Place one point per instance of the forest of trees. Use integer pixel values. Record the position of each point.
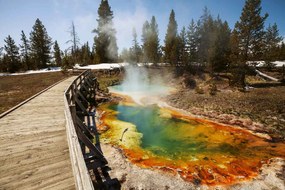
(211, 42)
(208, 41)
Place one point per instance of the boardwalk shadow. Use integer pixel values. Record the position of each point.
(100, 173)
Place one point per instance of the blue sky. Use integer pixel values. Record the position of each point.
(57, 15)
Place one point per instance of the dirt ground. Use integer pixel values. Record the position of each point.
(15, 89)
(260, 109)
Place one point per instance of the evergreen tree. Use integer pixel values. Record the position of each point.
(86, 54)
(40, 45)
(272, 41)
(234, 49)
(171, 41)
(66, 64)
(221, 48)
(281, 55)
(183, 55)
(206, 37)
(193, 41)
(249, 36)
(5, 63)
(250, 30)
(150, 41)
(146, 33)
(25, 52)
(2, 67)
(57, 54)
(236, 65)
(135, 50)
(154, 47)
(126, 56)
(106, 49)
(12, 55)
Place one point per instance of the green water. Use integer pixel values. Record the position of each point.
(173, 137)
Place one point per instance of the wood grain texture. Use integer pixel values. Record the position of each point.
(34, 150)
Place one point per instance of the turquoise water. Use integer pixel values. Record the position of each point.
(172, 137)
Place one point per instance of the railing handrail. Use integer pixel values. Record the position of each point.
(80, 171)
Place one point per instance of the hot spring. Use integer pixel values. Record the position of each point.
(200, 151)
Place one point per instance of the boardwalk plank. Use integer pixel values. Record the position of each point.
(33, 146)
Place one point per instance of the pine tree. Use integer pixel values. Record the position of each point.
(236, 65)
(234, 49)
(25, 52)
(40, 45)
(183, 55)
(249, 33)
(281, 53)
(2, 67)
(221, 48)
(151, 48)
(125, 56)
(171, 41)
(272, 41)
(12, 55)
(154, 47)
(193, 41)
(250, 30)
(106, 49)
(86, 54)
(206, 37)
(135, 50)
(146, 33)
(57, 54)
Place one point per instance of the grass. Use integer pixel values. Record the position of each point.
(15, 89)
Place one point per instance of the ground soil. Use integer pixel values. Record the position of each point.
(17, 88)
(259, 109)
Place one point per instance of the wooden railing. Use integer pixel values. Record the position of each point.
(81, 129)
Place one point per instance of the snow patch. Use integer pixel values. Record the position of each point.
(279, 63)
(116, 65)
(46, 70)
(262, 63)
(102, 66)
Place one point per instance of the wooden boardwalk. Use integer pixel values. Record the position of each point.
(33, 145)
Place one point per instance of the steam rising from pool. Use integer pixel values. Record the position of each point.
(141, 87)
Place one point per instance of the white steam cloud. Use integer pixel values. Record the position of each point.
(142, 88)
(125, 21)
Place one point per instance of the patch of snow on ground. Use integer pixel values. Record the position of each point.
(279, 63)
(262, 63)
(102, 66)
(46, 70)
(115, 65)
